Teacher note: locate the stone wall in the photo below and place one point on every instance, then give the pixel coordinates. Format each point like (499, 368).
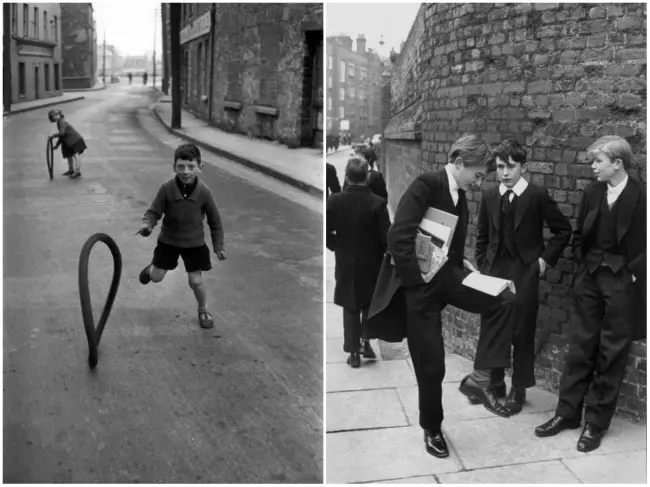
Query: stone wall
(553, 76)
(261, 59)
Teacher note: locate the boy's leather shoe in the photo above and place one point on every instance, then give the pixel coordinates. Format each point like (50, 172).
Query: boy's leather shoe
(435, 444)
(556, 424)
(367, 351)
(69, 172)
(75, 175)
(354, 360)
(205, 320)
(499, 391)
(516, 400)
(486, 396)
(145, 277)
(590, 437)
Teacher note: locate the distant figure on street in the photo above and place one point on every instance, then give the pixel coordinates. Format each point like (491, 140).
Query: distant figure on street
(609, 246)
(184, 201)
(331, 180)
(130, 75)
(144, 77)
(376, 181)
(357, 223)
(510, 245)
(72, 143)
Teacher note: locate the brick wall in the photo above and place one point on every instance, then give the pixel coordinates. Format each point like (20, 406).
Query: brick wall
(78, 46)
(553, 76)
(271, 77)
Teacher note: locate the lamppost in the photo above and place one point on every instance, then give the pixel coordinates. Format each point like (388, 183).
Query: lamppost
(155, 15)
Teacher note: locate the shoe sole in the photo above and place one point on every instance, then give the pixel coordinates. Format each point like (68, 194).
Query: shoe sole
(206, 326)
(436, 454)
(546, 435)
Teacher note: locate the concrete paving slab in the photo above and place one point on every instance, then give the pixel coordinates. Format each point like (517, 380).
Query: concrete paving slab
(329, 290)
(334, 351)
(333, 321)
(506, 441)
(428, 479)
(551, 472)
(621, 436)
(360, 410)
(616, 468)
(382, 454)
(458, 408)
(371, 375)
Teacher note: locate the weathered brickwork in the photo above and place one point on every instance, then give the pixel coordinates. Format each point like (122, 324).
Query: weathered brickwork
(553, 76)
(247, 77)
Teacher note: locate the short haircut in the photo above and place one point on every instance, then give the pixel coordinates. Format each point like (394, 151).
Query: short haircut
(53, 112)
(366, 152)
(356, 170)
(187, 152)
(510, 148)
(614, 147)
(473, 151)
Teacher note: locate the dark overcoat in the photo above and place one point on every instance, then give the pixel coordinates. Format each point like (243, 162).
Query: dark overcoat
(630, 233)
(387, 316)
(357, 222)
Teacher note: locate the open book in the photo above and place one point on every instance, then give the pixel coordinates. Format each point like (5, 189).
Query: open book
(488, 284)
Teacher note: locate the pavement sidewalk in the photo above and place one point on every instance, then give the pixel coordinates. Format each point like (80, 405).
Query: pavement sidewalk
(25, 106)
(373, 433)
(302, 168)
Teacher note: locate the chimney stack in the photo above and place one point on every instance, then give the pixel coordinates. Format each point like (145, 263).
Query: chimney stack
(361, 44)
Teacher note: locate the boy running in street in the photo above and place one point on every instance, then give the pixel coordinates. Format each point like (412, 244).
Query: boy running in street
(184, 201)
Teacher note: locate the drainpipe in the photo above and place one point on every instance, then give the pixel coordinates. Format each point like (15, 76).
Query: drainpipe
(212, 34)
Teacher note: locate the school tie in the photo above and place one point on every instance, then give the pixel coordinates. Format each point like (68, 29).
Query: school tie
(506, 201)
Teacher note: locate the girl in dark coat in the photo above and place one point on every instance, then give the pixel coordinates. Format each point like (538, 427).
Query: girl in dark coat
(71, 142)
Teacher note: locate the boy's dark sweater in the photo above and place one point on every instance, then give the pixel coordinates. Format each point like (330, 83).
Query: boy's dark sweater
(182, 224)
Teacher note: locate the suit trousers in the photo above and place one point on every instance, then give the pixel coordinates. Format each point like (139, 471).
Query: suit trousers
(599, 345)
(355, 326)
(424, 304)
(526, 279)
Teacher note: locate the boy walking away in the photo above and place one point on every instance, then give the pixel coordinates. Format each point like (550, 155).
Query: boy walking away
(72, 144)
(510, 245)
(357, 224)
(609, 245)
(182, 202)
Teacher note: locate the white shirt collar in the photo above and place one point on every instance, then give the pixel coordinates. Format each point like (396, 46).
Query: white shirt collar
(453, 185)
(518, 188)
(618, 189)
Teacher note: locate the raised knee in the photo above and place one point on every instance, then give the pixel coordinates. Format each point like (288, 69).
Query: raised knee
(156, 274)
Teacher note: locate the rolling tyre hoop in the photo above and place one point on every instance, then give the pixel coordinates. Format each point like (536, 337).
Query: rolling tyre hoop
(94, 334)
(49, 157)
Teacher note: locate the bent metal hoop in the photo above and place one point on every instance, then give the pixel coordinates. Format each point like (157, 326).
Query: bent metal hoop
(49, 157)
(94, 334)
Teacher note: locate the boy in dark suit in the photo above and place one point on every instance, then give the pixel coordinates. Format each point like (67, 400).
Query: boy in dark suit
(357, 223)
(404, 305)
(609, 245)
(510, 245)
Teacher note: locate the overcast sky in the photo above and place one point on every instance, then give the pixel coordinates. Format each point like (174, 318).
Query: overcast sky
(392, 20)
(130, 29)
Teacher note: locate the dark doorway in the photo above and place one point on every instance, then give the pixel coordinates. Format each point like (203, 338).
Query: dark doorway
(311, 120)
(36, 83)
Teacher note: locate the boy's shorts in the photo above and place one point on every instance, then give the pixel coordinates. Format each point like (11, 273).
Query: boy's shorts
(165, 257)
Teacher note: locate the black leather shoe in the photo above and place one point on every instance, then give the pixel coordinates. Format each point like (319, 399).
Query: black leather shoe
(367, 351)
(435, 444)
(590, 437)
(145, 277)
(485, 396)
(354, 360)
(556, 424)
(499, 391)
(516, 400)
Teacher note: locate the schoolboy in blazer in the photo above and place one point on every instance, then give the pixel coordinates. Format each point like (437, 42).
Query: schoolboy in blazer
(609, 245)
(510, 245)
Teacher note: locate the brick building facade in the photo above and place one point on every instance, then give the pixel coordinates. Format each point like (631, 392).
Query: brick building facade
(354, 88)
(79, 45)
(35, 51)
(553, 76)
(254, 69)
